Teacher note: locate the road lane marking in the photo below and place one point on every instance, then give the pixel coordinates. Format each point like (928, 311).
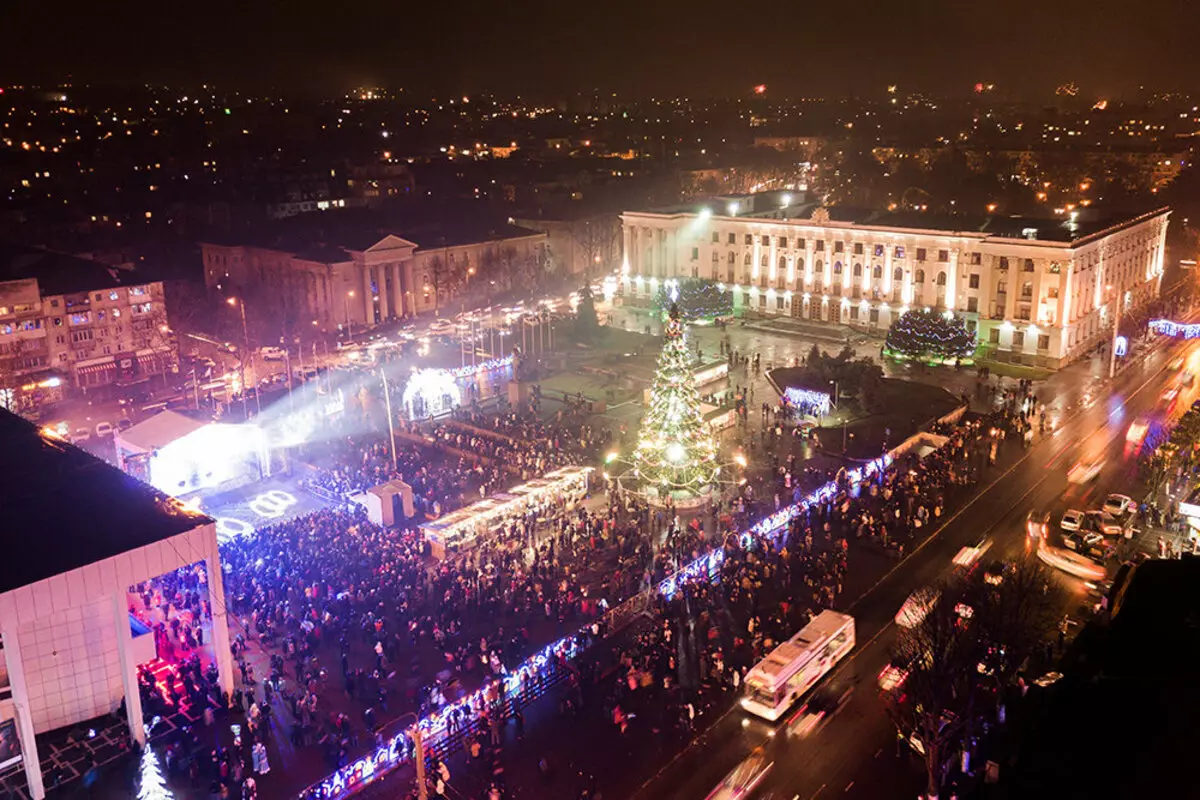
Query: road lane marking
(848, 787)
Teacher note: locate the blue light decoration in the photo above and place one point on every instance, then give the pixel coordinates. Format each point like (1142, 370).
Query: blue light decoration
(1179, 330)
(807, 402)
(1122, 346)
(395, 751)
(486, 366)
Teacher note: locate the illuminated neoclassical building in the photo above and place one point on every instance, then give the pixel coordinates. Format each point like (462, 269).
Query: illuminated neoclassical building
(1042, 291)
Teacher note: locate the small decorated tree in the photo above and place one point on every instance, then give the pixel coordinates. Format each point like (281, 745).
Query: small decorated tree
(929, 334)
(695, 298)
(587, 321)
(676, 453)
(152, 784)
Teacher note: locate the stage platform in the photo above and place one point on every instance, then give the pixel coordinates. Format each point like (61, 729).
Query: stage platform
(245, 509)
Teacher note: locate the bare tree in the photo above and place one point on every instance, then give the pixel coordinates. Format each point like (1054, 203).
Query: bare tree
(445, 275)
(1016, 616)
(935, 701)
(597, 238)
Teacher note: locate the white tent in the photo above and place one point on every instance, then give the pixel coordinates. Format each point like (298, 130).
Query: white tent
(155, 433)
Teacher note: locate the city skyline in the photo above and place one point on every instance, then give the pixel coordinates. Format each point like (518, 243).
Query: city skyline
(1107, 48)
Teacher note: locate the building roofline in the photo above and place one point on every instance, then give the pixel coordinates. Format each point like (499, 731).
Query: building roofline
(982, 236)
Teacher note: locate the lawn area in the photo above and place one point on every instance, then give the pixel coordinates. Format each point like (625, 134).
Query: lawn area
(1005, 370)
(909, 406)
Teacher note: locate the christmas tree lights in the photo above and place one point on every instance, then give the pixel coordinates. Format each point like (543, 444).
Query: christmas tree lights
(152, 786)
(929, 335)
(676, 455)
(696, 298)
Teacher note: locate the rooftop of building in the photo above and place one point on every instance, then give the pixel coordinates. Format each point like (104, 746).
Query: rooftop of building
(1120, 680)
(1058, 229)
(331, 235)
(59, 273)
(62, 508)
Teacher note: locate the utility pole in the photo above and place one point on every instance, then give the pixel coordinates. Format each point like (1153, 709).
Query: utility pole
(387, 398)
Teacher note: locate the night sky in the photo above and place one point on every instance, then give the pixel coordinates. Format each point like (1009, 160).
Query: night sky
(700, 47)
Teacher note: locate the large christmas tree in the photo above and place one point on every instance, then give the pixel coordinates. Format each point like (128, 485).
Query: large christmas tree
(676, 455)
(929, 334)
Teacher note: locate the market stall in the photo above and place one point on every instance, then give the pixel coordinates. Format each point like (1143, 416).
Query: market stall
(462, 529)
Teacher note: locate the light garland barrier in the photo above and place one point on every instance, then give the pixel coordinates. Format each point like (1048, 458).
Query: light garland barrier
(1178, 330)
(441, 736)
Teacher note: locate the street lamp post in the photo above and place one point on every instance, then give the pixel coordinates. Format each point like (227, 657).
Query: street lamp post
(1112, 355)
(241, 304)
(387, 399)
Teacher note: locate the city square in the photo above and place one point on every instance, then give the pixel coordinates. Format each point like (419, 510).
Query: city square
(378, 429)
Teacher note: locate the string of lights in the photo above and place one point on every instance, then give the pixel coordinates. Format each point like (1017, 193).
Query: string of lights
(923, 333)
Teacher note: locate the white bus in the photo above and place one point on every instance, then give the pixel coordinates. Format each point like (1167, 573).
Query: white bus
(795, 666)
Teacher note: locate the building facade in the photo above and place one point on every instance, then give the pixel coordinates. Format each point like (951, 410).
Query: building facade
(1039, 292)
(81, 324)
(385, 277)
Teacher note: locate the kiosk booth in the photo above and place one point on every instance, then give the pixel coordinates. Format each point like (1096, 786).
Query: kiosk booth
(462, 529)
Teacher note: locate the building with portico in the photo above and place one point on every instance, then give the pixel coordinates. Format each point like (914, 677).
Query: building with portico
(367, 276)
(1038, 291)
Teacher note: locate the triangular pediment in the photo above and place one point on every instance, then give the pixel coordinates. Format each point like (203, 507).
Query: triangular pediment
(391, 242)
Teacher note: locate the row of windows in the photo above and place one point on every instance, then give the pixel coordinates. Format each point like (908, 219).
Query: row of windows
(859, 249)
(975, 259)
(1018, 339)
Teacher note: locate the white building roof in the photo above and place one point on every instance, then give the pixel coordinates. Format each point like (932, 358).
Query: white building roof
(158, 431)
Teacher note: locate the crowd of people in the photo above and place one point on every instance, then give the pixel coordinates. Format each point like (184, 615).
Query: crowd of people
(340, 626)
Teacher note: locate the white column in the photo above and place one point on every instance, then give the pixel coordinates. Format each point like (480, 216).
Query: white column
(381, 271)
(16, 676)
(368, 298)
(129, 681)
(626, 244)
(220, 621)
(952, 281)
(398, 307)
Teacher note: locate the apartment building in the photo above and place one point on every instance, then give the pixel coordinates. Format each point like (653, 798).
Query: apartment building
(1041, 291)
(72, 322)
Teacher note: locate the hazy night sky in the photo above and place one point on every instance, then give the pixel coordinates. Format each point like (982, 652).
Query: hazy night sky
(550, 48)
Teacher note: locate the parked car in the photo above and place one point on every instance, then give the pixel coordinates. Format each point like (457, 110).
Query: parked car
(81, 435)
(1168, 397)
(124, 424)
(1072, 520)
(104, 429)
(271, 353)
(1105, 523)
(1118, 504)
